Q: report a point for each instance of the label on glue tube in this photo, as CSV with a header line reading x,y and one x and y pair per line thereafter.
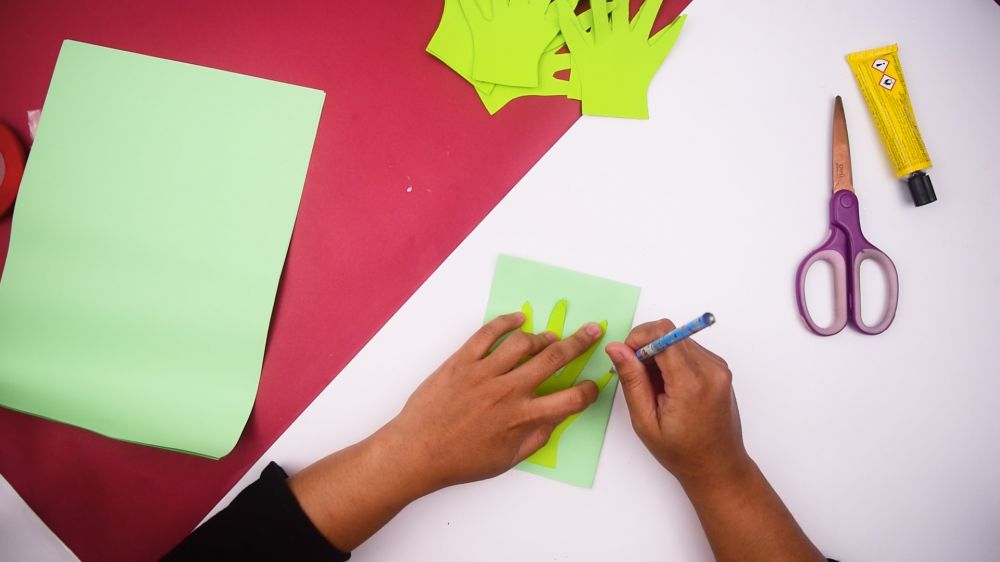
x,y
880,77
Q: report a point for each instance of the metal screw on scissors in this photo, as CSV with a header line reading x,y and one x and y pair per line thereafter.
x,y
846,248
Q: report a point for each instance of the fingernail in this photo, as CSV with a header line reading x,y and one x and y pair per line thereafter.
x,y
550,337
519,316
615,355
593,330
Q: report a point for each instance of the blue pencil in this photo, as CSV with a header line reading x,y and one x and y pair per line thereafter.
x,y
676,335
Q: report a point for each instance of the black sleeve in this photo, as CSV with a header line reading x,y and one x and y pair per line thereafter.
x,y
264,522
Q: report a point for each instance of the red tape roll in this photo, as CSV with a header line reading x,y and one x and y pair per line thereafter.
x,y
11,167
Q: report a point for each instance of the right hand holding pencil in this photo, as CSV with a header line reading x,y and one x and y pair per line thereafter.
x,y
683,409
682,406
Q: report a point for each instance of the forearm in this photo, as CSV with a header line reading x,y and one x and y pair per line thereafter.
x,y
354,492
744,519
468,421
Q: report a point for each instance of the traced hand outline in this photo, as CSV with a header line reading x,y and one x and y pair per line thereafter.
x,y
618,59
509,41
547,456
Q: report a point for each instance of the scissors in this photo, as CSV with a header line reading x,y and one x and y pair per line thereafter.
x,y
846,248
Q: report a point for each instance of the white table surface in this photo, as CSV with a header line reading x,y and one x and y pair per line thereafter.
x,y
884,448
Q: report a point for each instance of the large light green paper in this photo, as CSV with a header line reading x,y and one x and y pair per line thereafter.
x,y
149,235
590,299
617,60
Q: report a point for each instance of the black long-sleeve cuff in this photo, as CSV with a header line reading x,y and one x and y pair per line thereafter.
x,y
264,522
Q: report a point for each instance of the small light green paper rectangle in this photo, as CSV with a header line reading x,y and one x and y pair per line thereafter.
x,y
590,299
148,239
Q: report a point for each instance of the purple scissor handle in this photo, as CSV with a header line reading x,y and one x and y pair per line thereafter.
x,y
846,248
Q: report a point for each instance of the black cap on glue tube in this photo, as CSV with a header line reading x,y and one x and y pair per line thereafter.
x,y
11,167
921,188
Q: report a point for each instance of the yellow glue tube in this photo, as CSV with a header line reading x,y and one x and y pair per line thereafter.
x,y
880,77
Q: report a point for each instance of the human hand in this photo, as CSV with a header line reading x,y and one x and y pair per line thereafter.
x,y
682,407
475,417
478,415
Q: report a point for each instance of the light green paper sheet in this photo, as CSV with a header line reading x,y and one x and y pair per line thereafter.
x,y
588,298
149,235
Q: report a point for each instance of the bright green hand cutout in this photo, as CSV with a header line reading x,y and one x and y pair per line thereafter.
x,y
548,454
565,378
452,44
548,85
509,42
618,59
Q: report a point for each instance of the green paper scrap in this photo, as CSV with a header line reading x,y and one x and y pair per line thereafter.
x,y
150,232
509,39
617,60
587,299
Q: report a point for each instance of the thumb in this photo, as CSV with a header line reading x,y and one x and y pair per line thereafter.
x,y
636,386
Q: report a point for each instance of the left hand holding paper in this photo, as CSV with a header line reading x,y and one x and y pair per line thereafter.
x,y
475,417
478,414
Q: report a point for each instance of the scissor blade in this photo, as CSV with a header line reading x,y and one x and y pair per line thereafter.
x,y
842,176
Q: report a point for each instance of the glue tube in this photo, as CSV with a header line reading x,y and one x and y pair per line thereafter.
x,y
880,77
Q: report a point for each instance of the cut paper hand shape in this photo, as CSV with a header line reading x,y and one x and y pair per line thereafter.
x,y
617,59
548,83
548,455
452,45
509,38
572,452
509,49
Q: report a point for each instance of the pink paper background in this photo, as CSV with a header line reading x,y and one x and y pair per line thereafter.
x,y
394,118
